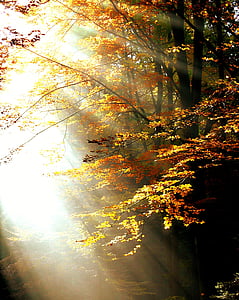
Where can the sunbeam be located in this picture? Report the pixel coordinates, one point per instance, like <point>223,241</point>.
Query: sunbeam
<point>29,197</point>
<point>118,123</point>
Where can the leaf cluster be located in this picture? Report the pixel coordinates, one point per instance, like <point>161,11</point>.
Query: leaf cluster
<point>147,130</point>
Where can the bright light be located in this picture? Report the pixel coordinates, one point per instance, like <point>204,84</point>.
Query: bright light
<point>29,197</point>
<point>71,51</point>
<point>19,85</point>
<point>14,20</point>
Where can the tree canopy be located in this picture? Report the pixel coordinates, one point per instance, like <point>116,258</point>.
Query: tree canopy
<point>155,84</point>
<point>150,87</point>
<point>153,88</point>
<point>160,89</point>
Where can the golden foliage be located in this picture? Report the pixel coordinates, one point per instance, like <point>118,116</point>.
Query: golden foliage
<point>117,96</point>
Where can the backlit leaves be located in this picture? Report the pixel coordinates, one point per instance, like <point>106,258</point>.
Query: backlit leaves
<point>118,98</point>
<point>171,190</point>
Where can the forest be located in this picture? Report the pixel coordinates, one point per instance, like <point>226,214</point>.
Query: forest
<point>119,149</point>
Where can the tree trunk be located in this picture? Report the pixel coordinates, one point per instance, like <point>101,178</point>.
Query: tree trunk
<point>170,86</point>
<point>221,71</point>
<point>181,65</point>
<point>159,100</point>
<point>198,5</point>
<point>198,51</point>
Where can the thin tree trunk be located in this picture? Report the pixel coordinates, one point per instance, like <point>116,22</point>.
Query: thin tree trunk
<point>198,5</point>
<point>170,86</point>
<point>158,104</point>
<point>198,52</point>
<point>221,70</point>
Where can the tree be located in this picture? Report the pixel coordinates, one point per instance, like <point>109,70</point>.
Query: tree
<point>138,52</point>
<point>155,96</point>
<point>197,134</point>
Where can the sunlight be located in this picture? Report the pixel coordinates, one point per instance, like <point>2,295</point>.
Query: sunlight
<point>117,128</point>
<point>19,80</point>
<point>26,196</point>
<point>73,52</point>
<point>12,19</point>
<point>32,202</point>
<point>19,85</point>
<point>30,198</point>
<point>70,46</point>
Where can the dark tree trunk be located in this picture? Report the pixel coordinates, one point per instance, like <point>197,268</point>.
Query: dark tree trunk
<point>221,70</point>
<point>170,86</point>
<point>198,51</point>
<point>159,100</point>
<point>181,65</point>
<point>198,5</point>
